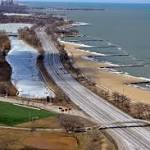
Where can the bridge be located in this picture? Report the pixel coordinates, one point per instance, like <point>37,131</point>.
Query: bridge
<point>12,34</point>
<point>114,125</point>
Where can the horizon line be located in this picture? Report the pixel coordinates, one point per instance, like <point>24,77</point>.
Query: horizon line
<point>85,2</point>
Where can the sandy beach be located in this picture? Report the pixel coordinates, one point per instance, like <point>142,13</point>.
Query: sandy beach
<point>113,82</point>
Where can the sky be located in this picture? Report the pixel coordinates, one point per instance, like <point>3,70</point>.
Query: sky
<point>112,1</point>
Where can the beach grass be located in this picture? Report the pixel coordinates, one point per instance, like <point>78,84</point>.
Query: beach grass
<point>12,114</point>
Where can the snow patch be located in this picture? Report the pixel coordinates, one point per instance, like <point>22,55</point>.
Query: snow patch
<point>74,44</point>
<point>80,24</point>
<point>17,14</point>
<point>93,53</point>
<point>88,58</point>
<point>13,27</point>
<point>25,75</point>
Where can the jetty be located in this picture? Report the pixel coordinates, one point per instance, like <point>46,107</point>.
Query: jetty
<point>96,40</point>
<point>140,82</point>
<point>122,66</point>
<point>110,46</point>
<point>12,34</point>
<point>73,9</point>
<point>109,55</point>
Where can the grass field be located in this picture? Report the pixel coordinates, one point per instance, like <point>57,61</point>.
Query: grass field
<point>12,115</point>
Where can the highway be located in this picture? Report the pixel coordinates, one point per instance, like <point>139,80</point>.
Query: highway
<point>96,107</point>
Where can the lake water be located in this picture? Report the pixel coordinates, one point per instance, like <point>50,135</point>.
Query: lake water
<point>127,26</point>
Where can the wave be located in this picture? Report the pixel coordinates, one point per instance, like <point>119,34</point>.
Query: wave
<point>123,73</point>
<point>80,24</point>
<point>17,14</point>
<point>145,79</point>
<point>74,44</point>
<point>93,53</point>
<point>119,48</point>
<point>89,58</point>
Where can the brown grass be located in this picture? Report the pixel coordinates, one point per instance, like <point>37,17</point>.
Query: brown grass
<point>59,141</point>
<point>16,140</point>
<point>50,122</point>
<point>94,140</point>
<point>25,140</point>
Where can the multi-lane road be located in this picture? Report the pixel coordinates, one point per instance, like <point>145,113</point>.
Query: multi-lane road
<point>96,107</point>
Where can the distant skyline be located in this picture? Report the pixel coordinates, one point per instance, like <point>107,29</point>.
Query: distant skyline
<point>100,1</point>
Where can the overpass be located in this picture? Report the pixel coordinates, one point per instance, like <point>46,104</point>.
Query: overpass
<point>12,34</point>
<point>116,125</point>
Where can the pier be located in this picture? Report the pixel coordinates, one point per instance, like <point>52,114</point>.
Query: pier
<point>12,34</point>
<point>109,55</point>
<point>122,66</point>
<point>140,82</point>
<point>86,40</point>
<point>73,9</point>
<point>110,46</point>
<point>120,55</point>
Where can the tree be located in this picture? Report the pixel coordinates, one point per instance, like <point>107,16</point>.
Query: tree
<point>95,140</point>
<point>141,111</point>
<point>4,43</point>
<point>70,122</point>
<point>121,101</point>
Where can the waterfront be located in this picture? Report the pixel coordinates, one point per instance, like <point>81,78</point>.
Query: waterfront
<point>127,29</point>
<point>125,26</point>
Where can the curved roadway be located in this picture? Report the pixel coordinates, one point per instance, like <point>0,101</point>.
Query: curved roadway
<point>96,107</point>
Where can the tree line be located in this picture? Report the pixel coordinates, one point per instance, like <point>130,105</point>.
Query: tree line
<point>137,110</point>
<point>5,45</point>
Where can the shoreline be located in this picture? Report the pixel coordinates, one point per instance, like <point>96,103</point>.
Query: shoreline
<point>106,78</point>
<point>107,66</point>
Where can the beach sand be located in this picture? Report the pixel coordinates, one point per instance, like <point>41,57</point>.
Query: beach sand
<point>103,78</point>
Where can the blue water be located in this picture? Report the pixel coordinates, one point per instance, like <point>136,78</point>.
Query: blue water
<point>125,25</point>
<point>47,4</point>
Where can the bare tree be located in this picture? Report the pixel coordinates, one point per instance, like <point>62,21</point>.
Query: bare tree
<point>29,35</point>
<point>70,122</point>
<point>95,140</point>
<point>141,111</point>
<point>121,101</point>
<point>4,43</point>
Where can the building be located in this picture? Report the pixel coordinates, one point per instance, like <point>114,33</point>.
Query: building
<point>7,2</point>
<point>10,6</point>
